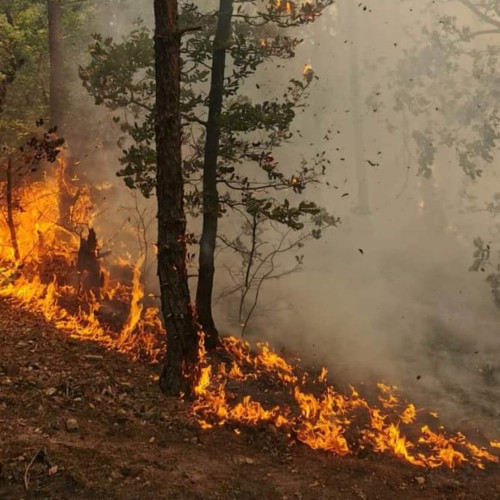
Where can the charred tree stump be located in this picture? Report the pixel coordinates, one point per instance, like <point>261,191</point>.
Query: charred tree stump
<point>88,265</point>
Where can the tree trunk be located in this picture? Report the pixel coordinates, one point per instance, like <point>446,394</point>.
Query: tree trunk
<point>182,335</point>
<point>363,207</point>
<point>56,64</point>
<point>10,212</point>
<point>210,194</point>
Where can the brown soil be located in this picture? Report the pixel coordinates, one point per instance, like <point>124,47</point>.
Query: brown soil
<point>134,444</point>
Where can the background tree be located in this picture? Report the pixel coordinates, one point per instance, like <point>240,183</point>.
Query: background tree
<point>11,58</point>
<point>24,48</point>
<point>445,88</point>
<point>56,63</point>
<point>31,37</point>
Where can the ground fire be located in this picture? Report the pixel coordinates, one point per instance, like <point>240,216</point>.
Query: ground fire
<point>52,263</point>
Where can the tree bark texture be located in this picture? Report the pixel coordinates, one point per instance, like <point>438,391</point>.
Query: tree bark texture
<point>210,194</point>
<point>182,333</point>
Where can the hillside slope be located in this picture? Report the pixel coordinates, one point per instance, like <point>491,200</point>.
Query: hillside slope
<point>99,428</point>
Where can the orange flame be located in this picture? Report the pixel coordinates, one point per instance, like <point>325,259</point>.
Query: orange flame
<point>314,412</point>
<point>325,422</point>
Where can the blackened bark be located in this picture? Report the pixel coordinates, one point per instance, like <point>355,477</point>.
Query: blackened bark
<point>210,194</point>
<point>89,265</point>
<point>10,212</point>
<point>182,333</point>
<point>56,64</point>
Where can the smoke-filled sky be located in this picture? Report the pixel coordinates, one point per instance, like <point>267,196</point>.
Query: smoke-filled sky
<point>388,293</point>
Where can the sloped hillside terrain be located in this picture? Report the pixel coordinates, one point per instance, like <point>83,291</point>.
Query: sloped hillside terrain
<point>80,422</point>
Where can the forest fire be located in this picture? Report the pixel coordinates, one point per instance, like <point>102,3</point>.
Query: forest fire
<point>47,277</point>
<point>49,270</point>
<point>202,203</point>
<point>330,421</point>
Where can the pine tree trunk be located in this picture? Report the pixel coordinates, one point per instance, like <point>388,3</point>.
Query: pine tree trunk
<point>56,64</point>
<point>210,194</point>
<point>182,335</point>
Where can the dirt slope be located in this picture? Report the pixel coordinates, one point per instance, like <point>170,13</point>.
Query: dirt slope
<point>102,431</point>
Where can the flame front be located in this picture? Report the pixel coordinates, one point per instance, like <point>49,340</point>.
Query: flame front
<point>43,277</point>
<point>330,421</point>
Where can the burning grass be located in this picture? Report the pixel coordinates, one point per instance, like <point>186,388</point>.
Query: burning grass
<point>43,276</point>
<point>315,414</point>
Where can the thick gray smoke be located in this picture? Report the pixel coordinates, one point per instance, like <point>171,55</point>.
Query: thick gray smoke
<point>388,295</point>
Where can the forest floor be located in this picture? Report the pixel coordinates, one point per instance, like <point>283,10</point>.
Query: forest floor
<point>100,429</point>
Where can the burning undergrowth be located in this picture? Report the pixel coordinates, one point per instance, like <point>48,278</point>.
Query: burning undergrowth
<point>52,263</point>
<point>312,412</point>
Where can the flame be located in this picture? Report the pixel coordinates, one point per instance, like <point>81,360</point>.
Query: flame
<point>44,279</point>
<point>331,421</point>
<point>323,375</point>
<point>285,6</point>
<point>141,325</point>
<point>306,9</point>
<point>320,425</point>
<point>46,275</point>
<point>409,414</point>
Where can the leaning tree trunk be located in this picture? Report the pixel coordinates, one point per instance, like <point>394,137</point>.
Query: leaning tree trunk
<point>210,195</point>
<point>182,336</point>
<point>56,63</point>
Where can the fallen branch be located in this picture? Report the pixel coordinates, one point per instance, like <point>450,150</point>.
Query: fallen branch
<point>38,454</point>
